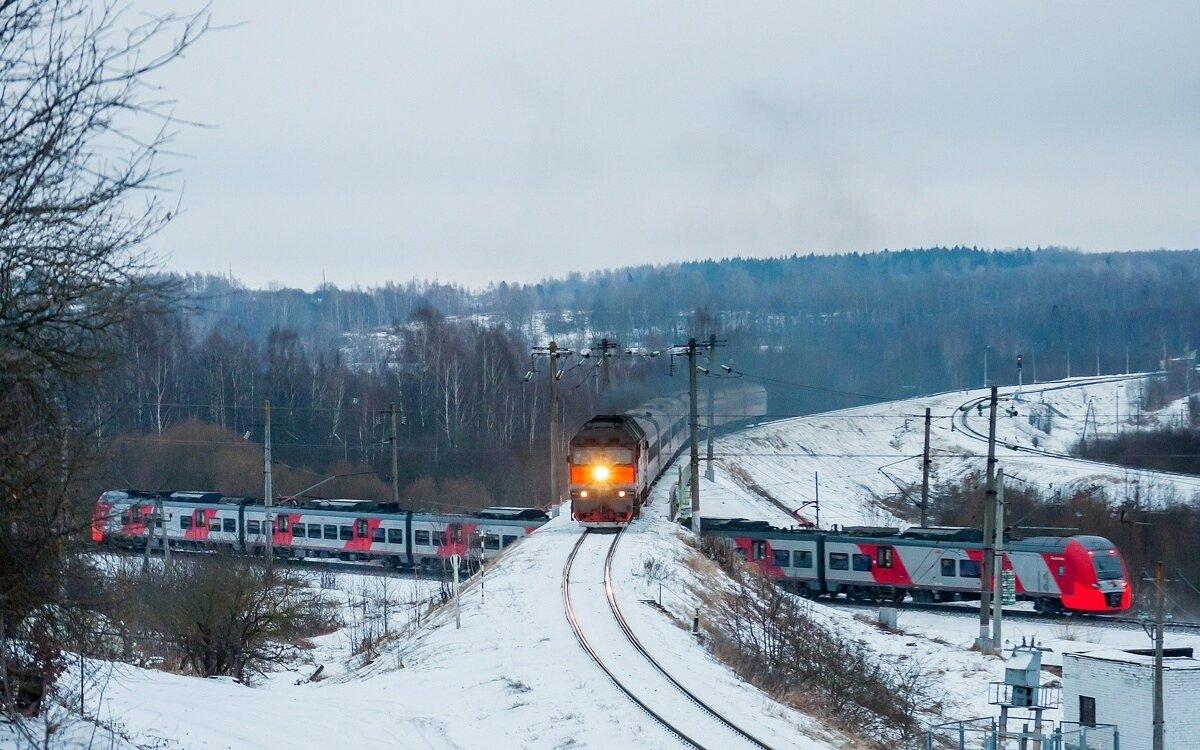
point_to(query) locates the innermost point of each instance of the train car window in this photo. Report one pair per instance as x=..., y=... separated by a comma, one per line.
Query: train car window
x=136, y=513
x=1062, y=570
x=439, y=538
x=421, y=538
x=802, y=559
x=378, y=534
x=253, y=527
x=509, y=540
x=158, y=522
x=314, y=531
x=968, y=568
x=862, y=563
x=883, y=557
x=126, y=519
x=345, y=532
x=229, y=525
x=456, y=534
x=330, y=531
x=491, y=541
x=741, y=552
x=839, y=561
x=185, y=522
x=298, y=529
x=948, y=568
x=783, y=557
x=360, y=528
x=758, y=549
x=215, y=525
x=395, y=536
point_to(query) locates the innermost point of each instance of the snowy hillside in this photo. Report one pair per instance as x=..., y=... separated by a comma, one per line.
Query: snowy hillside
x=871, y=452
x=513, y=675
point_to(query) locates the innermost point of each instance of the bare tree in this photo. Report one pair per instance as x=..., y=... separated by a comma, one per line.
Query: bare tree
x=78, y=174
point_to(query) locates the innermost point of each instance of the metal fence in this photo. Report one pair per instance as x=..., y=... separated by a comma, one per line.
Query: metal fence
x=984, y=734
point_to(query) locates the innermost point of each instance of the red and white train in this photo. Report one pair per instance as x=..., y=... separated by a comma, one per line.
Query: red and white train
x=614, y=459
x=343, y=529
x=1071, y=573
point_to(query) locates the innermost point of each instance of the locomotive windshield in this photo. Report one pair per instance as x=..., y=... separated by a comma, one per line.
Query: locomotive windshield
x=1108, y=567
x=609, y=455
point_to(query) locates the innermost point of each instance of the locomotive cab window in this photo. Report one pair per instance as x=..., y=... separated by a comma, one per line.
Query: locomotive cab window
x=802, y=559
x=862, y=563
x=395, y=536
x=782, y=557
x=883, y=557
x=968, y=568
x=839, y=561
x=948, y=569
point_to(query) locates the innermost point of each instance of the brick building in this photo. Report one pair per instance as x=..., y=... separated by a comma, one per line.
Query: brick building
x=1117, y=687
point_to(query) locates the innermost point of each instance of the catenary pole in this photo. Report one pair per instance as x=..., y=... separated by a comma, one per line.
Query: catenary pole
x=1158, y=657
x=998, y=565
x=709, y=473
x=268, y=490
x=553, y=423
x=984, y=642
x=395, y=459
x=925, y=473
x=694, y=429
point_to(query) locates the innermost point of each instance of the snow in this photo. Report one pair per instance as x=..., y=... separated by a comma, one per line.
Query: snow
x=513, y=674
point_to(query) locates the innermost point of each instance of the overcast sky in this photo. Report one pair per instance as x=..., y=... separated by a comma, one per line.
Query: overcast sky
x=365, y=142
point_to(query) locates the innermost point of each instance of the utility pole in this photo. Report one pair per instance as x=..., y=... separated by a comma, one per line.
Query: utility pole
x=709, y=474
x=817, y=496
x=605, y=375
x=1068, y=360
x=1158, y=656
x=553, y=423
x=1097, y=361
x=984, y=642
x=998, y=566
x=395, y=459
x=694, y=429
x=986, y=349
x=268, y=490
x=925, y=473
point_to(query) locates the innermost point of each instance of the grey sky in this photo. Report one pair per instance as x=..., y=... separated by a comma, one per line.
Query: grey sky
x=487, y=141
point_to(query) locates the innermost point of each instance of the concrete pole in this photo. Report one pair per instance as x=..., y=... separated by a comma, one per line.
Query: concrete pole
x=998, y=566
x=984, y=642
x=925, y=473
x=694, y=429
x=709, y=474
x=1158, y=657
x=268, y=491
x=553, y=423
x=395, y=460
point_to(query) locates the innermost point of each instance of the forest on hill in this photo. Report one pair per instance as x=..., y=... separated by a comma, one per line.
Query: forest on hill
x=820, y=332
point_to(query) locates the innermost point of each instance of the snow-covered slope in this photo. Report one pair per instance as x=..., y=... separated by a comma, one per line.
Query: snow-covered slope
x=513, y=675
x=861, y=454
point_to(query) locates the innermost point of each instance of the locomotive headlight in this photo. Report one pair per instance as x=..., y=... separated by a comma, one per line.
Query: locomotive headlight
x=600, y=473
x=583, y=493
x=620, y=493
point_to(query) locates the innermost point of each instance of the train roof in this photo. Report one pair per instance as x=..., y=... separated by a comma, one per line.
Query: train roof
x=513, y=514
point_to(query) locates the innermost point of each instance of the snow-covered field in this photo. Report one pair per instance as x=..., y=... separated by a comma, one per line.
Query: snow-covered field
x=513, y=675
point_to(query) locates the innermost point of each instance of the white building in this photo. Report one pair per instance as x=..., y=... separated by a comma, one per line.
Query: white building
x=1117, y=687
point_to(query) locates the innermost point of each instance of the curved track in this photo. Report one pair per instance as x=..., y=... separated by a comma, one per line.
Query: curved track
x=616, y=650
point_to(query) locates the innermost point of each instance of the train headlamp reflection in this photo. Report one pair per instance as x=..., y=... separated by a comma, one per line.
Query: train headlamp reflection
x=601, y=473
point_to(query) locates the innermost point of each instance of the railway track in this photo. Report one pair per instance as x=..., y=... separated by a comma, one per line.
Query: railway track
x=621, y=656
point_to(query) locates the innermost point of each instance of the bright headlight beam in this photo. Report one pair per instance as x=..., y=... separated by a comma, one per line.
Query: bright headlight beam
x=600, y=473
